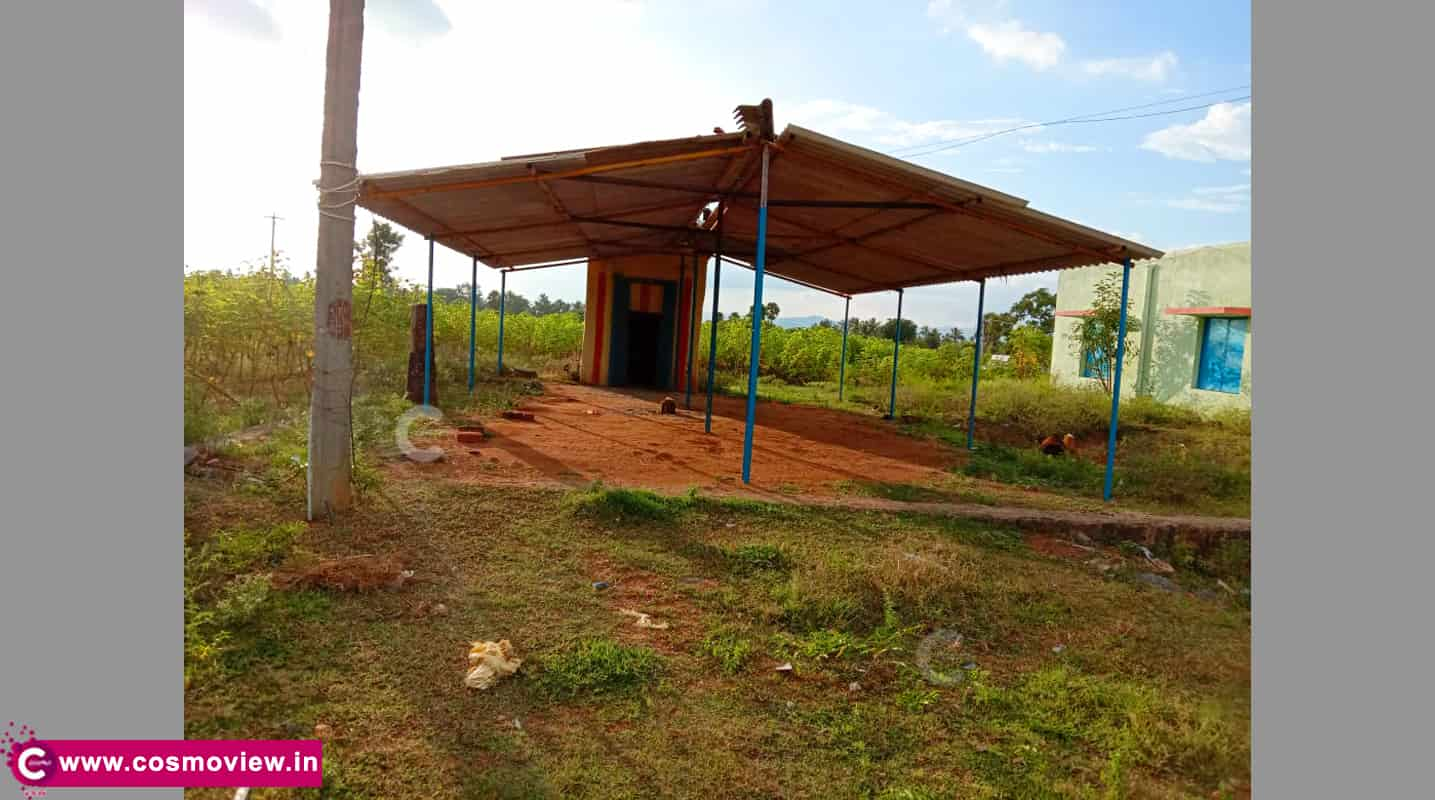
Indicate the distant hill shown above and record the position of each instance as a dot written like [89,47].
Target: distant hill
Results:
[799,322]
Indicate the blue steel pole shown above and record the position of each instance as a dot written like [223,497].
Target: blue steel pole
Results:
[428,329]
[1116,382]
[758,266]
[712,334]
[842,365]
[692,335]
[896,350]
[976,365]
[502,304]
[472,321]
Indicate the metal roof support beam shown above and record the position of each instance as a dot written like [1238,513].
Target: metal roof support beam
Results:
[797,281]
[458,186]
[528,226]
[942,268]
[567,263]
[958,208]
[860,241]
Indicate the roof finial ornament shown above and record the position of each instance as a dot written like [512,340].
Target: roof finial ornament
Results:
[756,119]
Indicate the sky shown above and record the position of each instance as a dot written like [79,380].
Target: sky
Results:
[451,82]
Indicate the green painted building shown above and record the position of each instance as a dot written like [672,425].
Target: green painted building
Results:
[1194,346]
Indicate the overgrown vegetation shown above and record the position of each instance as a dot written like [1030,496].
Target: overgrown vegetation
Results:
[1155,705]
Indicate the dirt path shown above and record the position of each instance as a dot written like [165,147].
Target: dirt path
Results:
[1100,526]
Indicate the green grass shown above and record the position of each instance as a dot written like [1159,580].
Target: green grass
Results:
[728,649]
[597,666]
[753,558]
[1149,697]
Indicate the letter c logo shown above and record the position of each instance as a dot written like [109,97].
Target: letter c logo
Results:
[22,763]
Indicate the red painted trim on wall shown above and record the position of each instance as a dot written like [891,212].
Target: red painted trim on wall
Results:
[598,333]
[1074,313]
[1212,311]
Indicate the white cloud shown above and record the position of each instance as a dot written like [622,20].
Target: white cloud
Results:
[1059,147]
[1224,133]
[1215,199]
[1154,69]
[1011,41]
[838,117]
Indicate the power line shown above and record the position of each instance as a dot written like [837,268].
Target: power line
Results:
[1097,116]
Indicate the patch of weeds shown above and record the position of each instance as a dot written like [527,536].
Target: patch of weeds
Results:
[625,505]
[728,649]
[240,600]
[1034,469]
[753,558]
[910,793]
[917,700]
[1039,610]
[1060,712]
[900,492]
[1230,559]
[889,636]
[980,534]
[820,645]
[599,666]
[250,548]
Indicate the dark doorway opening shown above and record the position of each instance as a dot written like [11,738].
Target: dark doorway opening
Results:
[643,335]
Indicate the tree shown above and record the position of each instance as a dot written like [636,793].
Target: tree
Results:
[995,329]
[954,336]
[1038,309]
[770,312]
[929,337]
[888,329]
[375,254]
[1095,342]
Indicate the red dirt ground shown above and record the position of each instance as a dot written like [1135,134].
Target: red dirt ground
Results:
[584,433]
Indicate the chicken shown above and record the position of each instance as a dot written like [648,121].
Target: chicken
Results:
[1053,446]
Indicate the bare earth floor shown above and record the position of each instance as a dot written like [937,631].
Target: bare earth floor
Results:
[801,454]
[580,434]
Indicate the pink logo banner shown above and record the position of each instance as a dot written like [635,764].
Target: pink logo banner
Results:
[155,763]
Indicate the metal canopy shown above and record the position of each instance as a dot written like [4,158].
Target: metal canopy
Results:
[842,218]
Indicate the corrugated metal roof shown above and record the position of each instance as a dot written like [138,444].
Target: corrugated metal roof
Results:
[646,198]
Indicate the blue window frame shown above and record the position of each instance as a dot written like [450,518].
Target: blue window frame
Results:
[1094,364]
[1223,347]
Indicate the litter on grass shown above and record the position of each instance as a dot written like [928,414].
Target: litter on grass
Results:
[489,661]
[642,620]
